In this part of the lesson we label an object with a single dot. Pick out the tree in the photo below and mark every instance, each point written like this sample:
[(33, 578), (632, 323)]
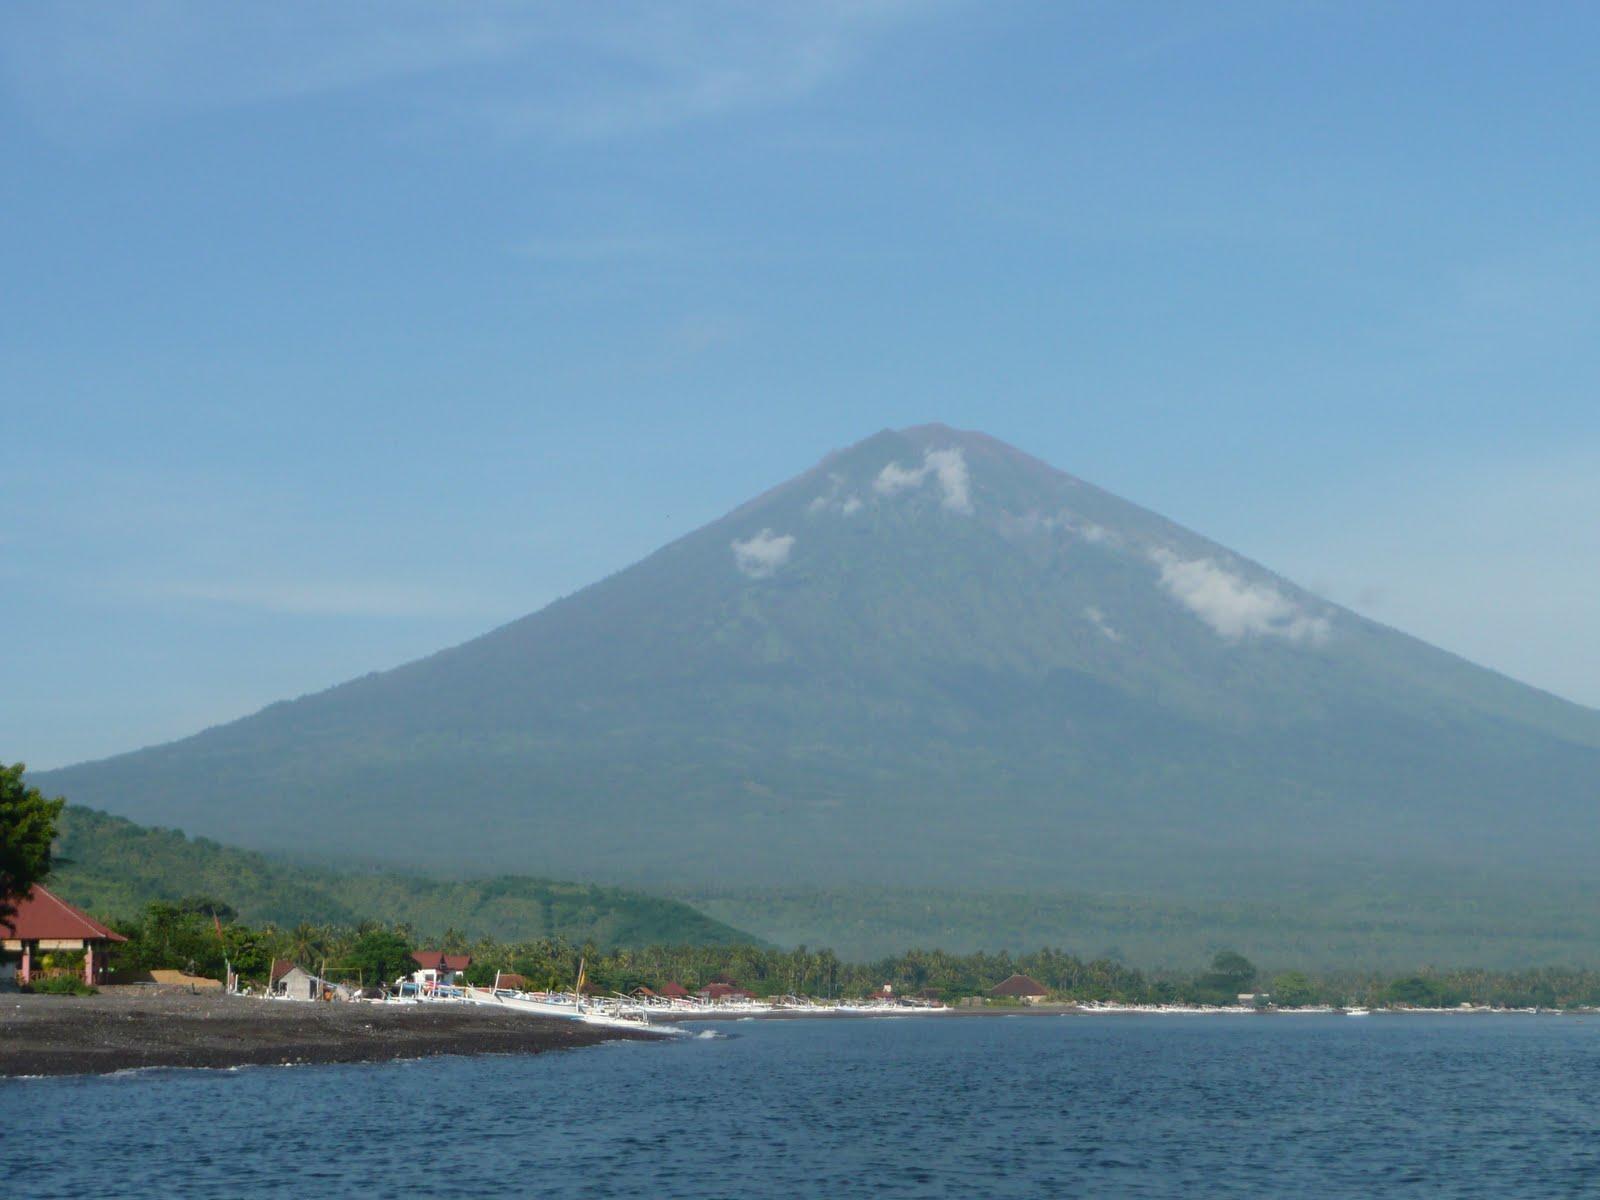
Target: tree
[(380, 955), (27, 828), (1231, 974), (1292, 990), (307, 943)]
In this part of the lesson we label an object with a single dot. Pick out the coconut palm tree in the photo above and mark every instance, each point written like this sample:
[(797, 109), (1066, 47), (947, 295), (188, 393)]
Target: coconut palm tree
[(307, 942)]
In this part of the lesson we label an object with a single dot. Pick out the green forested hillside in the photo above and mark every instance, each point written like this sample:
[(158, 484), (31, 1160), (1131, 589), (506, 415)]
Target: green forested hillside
[(114, 868)]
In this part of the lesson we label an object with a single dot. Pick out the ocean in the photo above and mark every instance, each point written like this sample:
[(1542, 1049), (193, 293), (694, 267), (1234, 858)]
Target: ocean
[(1136, 1106)]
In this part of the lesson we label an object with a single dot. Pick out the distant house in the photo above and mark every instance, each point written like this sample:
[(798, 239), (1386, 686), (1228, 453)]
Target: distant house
[(722, 993), (437, 967), (294, 982), (43, 922), (511, 981), (1020, 987), (673, 991)]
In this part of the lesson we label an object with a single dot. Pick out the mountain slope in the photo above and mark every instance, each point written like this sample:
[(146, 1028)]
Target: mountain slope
[(930, 660), (114, 867)]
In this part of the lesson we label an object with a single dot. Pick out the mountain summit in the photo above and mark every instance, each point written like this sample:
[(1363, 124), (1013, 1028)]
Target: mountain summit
[(930, 659)]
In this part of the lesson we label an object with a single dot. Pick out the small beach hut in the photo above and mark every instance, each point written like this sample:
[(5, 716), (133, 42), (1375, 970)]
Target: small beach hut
[(295, 982), (1020, 987), (43, 923)]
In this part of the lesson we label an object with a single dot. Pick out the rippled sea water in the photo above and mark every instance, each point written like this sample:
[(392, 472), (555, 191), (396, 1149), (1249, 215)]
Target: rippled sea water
[(940, 1106)]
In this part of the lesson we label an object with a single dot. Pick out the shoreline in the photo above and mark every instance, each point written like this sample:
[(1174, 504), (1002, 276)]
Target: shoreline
[(125, 1029), (139, 1028)]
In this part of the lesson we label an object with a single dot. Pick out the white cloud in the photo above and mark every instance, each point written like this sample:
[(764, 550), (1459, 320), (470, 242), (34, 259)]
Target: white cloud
[(1233, 606), (1098, 619), (948, 468), (761, 556)]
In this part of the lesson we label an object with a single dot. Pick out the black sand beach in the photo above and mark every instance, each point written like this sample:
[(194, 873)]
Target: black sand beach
[(123, 1028)]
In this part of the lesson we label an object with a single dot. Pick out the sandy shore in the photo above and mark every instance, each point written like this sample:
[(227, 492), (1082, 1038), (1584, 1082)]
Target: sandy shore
[(123, 1028)]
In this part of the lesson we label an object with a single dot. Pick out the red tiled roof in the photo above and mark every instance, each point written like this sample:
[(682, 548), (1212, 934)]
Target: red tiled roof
[(437, 960), (510, 979), (43, 915), (674, 991), (1019, 985), (280, 968)]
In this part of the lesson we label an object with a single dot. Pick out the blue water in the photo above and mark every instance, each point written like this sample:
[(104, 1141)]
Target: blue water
[(942, 1106)]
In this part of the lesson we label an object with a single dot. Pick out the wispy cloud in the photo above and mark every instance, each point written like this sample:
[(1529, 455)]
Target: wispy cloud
[(562, 70), (837, 499), (761, 556), (1233, 606), (328, 598), (1098, 619)]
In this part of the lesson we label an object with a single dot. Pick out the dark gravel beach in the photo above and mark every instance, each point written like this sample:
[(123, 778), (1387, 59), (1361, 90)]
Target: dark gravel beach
[(123, 1028)]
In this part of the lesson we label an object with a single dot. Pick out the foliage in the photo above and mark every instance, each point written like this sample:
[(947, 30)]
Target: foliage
[(64, 984), (114, 866), (27, 830), (1417, 991), (1345, 920), (380, 955), (169, 935), (1231, 974), (172, 937), (1292, 989)]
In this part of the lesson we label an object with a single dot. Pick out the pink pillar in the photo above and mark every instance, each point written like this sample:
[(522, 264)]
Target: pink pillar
[(26, 973), (88, 963)]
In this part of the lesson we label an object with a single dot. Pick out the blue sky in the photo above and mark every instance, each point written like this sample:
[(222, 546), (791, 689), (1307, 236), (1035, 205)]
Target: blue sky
[(332, 335)]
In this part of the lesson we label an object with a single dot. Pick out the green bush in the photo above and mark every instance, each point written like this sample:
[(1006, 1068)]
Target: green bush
[(60, 985)]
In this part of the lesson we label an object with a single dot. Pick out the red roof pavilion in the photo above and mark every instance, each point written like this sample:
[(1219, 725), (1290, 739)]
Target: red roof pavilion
[(44, 921)]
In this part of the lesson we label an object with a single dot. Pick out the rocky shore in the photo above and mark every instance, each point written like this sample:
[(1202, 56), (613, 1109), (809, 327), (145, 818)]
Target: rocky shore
[(123, 1028)]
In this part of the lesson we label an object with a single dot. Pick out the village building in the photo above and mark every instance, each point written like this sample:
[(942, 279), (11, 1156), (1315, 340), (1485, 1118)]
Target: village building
[(294, 982), (724, 993), (45, 924), (1020, 987), (438, 968), (673, 991)]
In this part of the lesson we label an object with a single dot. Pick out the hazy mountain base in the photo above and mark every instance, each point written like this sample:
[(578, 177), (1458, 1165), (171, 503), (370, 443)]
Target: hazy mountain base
[(1388, 927), (1341, 920), (114, 868)]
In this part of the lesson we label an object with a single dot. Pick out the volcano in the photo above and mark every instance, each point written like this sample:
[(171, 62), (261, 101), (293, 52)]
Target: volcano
[(929, 660)]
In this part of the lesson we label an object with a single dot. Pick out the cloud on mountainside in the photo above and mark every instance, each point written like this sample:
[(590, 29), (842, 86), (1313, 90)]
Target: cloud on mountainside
[(835, 499), (1234, 607), (761, 556), (948, 468)]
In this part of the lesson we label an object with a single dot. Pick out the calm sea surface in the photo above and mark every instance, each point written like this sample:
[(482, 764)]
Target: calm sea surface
[(944, 1106)]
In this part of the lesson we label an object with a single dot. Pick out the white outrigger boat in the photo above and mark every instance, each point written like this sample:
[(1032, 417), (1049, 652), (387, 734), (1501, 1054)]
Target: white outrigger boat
[(616, 1012)]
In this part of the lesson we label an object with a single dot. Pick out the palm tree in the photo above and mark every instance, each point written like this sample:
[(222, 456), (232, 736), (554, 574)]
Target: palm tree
[(306, 943)]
